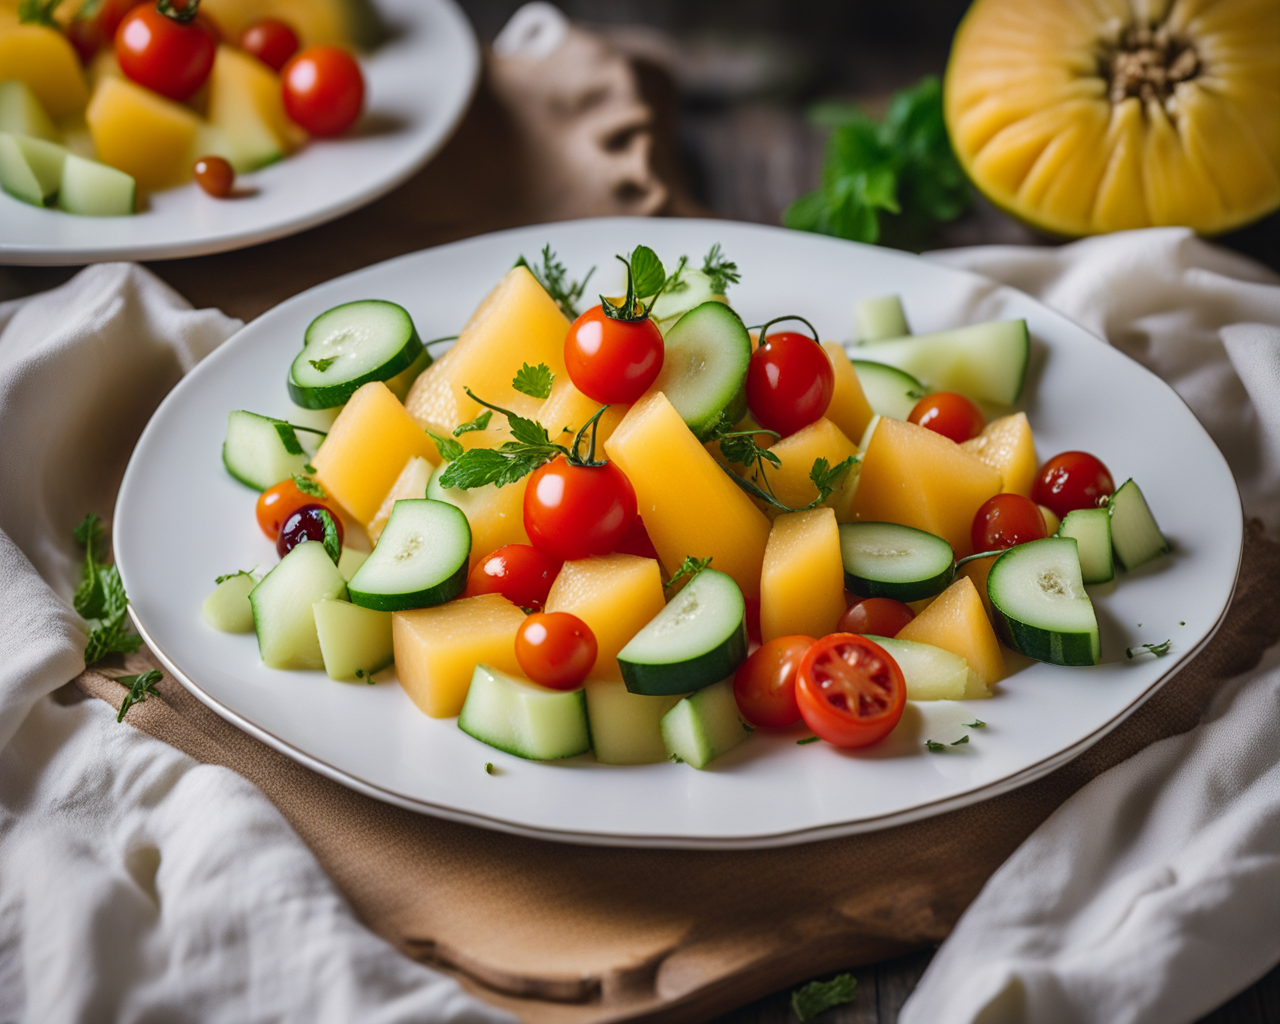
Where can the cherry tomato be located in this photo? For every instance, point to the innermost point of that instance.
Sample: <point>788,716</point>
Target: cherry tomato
<point>88,34</point>
<point>215,176</point>
<point>575,511</point>
<point>636,541</point>
<point>278,503</point>
<point>765,684</point>
<point>306,523</point>
<point>789,382</point>
<point>323,90</point>
<point>753,619</point>
<point>850,691</point>
<point>612,361</point>
<point>881,616</point>
<point>164,52</point>
<point>271,41</point>
<point>555,649</point>
<point>1070,481</point>
<point>1006,520</point>
<point>520,573</point>
<point>950,415</point>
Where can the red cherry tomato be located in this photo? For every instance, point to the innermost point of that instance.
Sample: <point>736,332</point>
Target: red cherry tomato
<point>323,90</point>
<point>1070,481</point>
<point>169,56</point>
<point>555,649</point>
<point>636,541</point>
<point>880,616</point>
<point>1006,520</point>
<point>271,41</point>
<point>850,691</point>
<point>789,382</point>
<point>520,573</point>
<point>278,503</point>
<point>950,415</point>
<point>89,34</point>
<point>575,511</point>
<point>765,684</point>
<point>753,619</point>
<point>306,523</point>
<point>612,361</point>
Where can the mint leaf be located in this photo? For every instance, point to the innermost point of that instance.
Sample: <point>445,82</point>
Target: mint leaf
<point>100,598</point>
<point>534,381</point>
<point>647,272</point>
<point>332,545</point>
<point>308,486</point>
<point>449,449</point>
<point>140,687</point>
<point>481,422</point>
<point>288,437</point>
<point>812,999</point>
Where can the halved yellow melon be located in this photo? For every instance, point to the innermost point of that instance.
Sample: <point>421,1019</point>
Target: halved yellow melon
<point>1082,118</point>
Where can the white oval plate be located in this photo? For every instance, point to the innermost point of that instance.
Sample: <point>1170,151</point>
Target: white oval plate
<point>181,520</point>
<point>418,87</point>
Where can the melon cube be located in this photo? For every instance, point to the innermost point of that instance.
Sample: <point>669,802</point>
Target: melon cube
<point>495,514</point>
<point>437,649</point>
<point>802,582</point>
<point>44,59</point>
<point>411,483</point>
<point>912,476</point>
<point>625,726</point>
<point>367,447</point>
<point>791,482</point>
<point>246,105</point>
<point>849,409</point>
<point>616,595</point>
<point>355,641</point>
<point>1007,445</point>
<point>142,133</point>
<point>957,622</point>
<point>567,409</point>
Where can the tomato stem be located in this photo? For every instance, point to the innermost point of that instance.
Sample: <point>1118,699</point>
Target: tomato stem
<point>779,319</point>
<point>591,460</point>
<point>184,15</point>
<point>981,554</point>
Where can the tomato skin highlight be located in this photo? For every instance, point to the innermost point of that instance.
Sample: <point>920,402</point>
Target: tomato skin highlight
<point>1005,521</point>
<point>1070,481</point>
<point>271,41</point>
<point>323,90</point>
<point>278,503</point>
<point>850,690</point>
<point>519,572</point>
<point>556,649</point>
<point>167,56</point>
<point>765,684</point>
<point>950,414</point>
<point>573,512</point>
<point>881,616</point>
<point>789,382</point>
<point>612,361</point>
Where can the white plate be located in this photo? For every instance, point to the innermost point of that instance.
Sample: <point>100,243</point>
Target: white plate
<point>181,521</point>
<point>418,87</point>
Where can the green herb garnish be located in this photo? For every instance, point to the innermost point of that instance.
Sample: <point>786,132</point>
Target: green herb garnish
<point>488,767</point>
<point>534,381</point>
<point>812,999</point>
<point>233,575</point>
<point>308,486</point>
<point>323,364</point>
<point>721,271</point>
<point>481,422</point>
<point>100,598</point>
<point>962,740</point>
<point>807,739</point>
<point>1159,650</point>
<point>38,12</point>
<point>690,568</point>
<point>646,279</point>
<point>449,449</point>
<point>332,545</point>
<point>977,723</point>
<point>140,687</point>
<point>934,747</point>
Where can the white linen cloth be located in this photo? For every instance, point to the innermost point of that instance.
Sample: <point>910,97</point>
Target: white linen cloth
<point>135,883</point>
<point>1153,894</point>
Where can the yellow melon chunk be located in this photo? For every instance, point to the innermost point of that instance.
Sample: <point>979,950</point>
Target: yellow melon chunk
<point>411,483</point>
<point>143,134</point>
<point>978,571</point>
<point>567,407</point>
<point>246,105</point>
<point>437,649</point>
<point>791,481</point>
<point>957,622</point>
<point>849,409</point>
<point>43,58</point>
<point>367,447</point>
<point>688,503</point>
<point>1006,444</point>
<point>496,514</point>
<point>517,323</point>
<point>616,595</point>
<point>802,582</point>
<point>912,476</point>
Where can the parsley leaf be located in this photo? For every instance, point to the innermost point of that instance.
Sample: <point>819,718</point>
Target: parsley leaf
<point>232,575</point>
<point>323,364</point>
<point>812,999</point>
<point>481,422</point>
<point>722,272</point>
<point>449,449</point>
<point>140,687</point>
<point>100,598</point>
<point>647,272</point>
<point>1159,650</point>
<point>308,486</point>
<point>977,723</point>
<point>690,568</point>
<point>934,747</point>
<point>554,278</point>
<point>962,740</point>
<point>828,479</point>
<point>534,381</point>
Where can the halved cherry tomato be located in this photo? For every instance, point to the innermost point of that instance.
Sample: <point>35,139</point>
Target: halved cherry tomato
<point>167,47</point>
<point>949,414</point>
<point>575,511</point>
<point>612,361</point>
<point>765,684</point>
<point>271,41</point>
<point>790,381</point>
<point>520,573</point>
<point>1006,520</point>
<point>1072,480</point>
<point>636,541</point>
<point>850,690</point>
<point>881,616</point>
<point>323,90</point>
<point>555,649</point>
<point>278,503</point>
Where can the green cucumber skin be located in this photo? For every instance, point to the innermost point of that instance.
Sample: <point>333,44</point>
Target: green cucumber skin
<point>441,593</point>
<point>338,394</point>
<point>917,590</point>
<point>688,676</point>
<point>703,425</point>
<point>1096,562</point>
<point>1071,649</point>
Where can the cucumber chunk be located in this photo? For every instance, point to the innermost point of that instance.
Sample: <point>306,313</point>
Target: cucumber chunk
<point>524,719</point>
<point>698,638</point>
<point>30,169</point>
<point>901,562</point>
<point>228,608</point>
<point>890,392</point>
<point>283,606</point>
<point>355,642</point>
<point>261,451</point>
<point>420,559</point>
<point>880,318</point>
<point>703,725</point>
<point>672,305</point>
<point>92,189</point>
<point>932,673</point>
<point>625,726</point>
<point>704,370</point>
<point>1091,530</point>
<point>22,114</point>
<point>984,361</point>
<point>349,346</point>
<point>1041,608</point>
<point>1134,534</point>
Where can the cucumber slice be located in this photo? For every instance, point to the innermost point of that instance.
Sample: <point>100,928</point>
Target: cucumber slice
<point>672,305</point>
<point>30,169</point>
<point>92,189</point>
<point>228,608</point>
<point>704,370</point>
<point>880,318</point>
<point>698,638</point>
<point>1040,605</point>
<point>525,719</point>
<point>22,114</point>
<point>261,451</point>
<point>1134,533</point>
<point>355,641</point>
<point>985,361</point>
<point>890,392</point>
<point>932,673</point>
<point>703,725</point>
<point>420,559</point>
<point>349,346</point>
<point>889,560</point>
<point>1091,530</point>
<point>625,726</point>
<point>282,606</point>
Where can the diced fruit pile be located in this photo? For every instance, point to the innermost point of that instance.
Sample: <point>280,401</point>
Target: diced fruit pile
<point>648,530</point>
<point>105,98</point>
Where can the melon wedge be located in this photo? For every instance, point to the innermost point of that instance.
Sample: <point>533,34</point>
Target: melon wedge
<point>246,107</point>
<point>802,581</point>
<point>849,409</point>
<point>143,134</point>
<point>1006,444</point>
<point>957,622</point>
